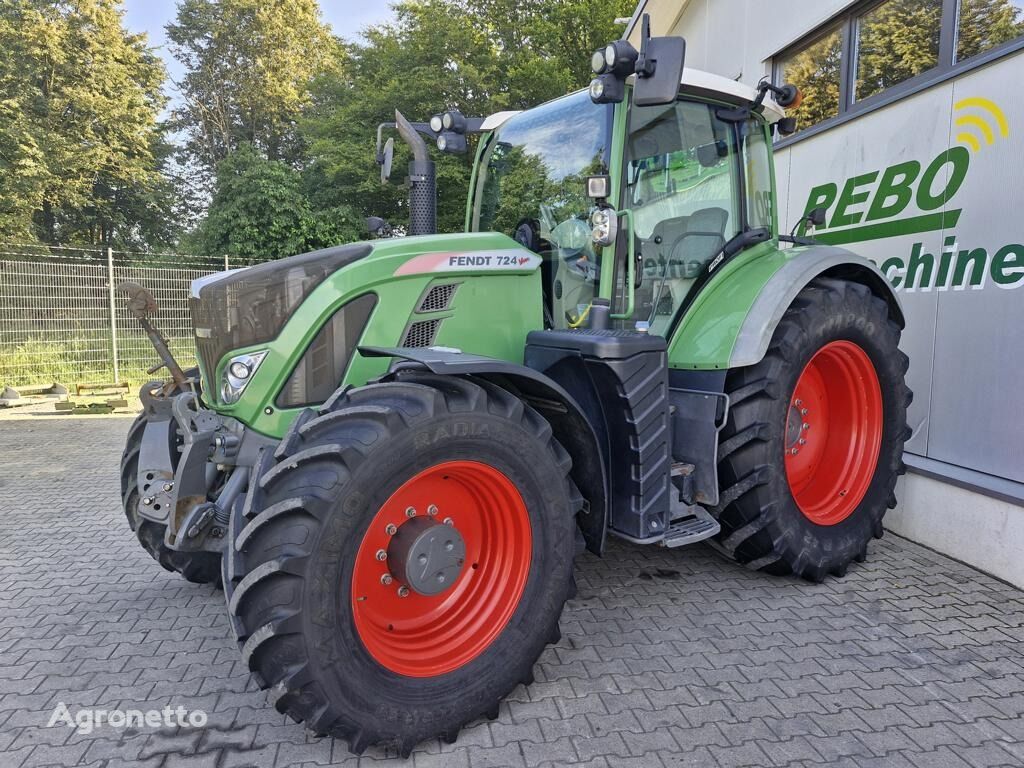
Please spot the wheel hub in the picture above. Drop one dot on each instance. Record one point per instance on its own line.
(426, 617)
(426, 556)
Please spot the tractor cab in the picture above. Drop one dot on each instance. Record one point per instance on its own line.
(683, 181)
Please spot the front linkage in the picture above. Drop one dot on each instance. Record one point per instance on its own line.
(184, 466)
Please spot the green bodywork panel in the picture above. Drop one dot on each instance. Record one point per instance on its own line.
(491, 312)
(707, 333)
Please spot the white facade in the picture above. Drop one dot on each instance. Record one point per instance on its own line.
(925, 178)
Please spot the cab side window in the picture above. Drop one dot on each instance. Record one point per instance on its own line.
(681, 186)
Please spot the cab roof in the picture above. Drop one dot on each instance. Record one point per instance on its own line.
(698, 83)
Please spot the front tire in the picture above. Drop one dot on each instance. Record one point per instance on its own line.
(812, 448)
(197, 567)
(316, 582)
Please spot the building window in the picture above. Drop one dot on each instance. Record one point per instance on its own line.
(896, 41)
(816, 69)
(877, 47)
(984, 24)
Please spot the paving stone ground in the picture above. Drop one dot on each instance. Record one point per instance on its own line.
(667, 658)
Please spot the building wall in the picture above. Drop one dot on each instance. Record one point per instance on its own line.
(964, 338)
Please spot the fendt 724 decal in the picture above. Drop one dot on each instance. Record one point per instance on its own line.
(503, 260)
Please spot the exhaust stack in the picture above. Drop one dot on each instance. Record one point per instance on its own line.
(422, 181)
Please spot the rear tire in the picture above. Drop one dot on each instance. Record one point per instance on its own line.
(197, 567)
(307, 595)
(804, 486)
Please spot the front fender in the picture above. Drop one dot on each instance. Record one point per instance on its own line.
(568, 420)
(731, 324)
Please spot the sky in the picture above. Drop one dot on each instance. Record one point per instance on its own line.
(346, 17)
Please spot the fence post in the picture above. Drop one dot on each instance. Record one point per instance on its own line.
(113, 315)
(226, 267)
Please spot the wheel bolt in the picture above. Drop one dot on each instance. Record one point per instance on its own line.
(448, 521)
(390, 529)
(386, 579)
(382, 555)
(410, 511)
(794, 451)
(148, 500)
(803, 411)
(806, 425)
(802, 441)
(798, 403)
(403, 591)
(168, 486)
(432, 509)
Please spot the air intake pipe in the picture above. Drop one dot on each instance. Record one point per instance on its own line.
(422, 181)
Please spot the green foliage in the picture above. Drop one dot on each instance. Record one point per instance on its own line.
(79, 141)
(480, 56)
(816, 70)
(259, 211)
(248, 67)
(985, 24)
(896, 41)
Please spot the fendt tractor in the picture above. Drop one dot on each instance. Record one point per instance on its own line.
(392, 451)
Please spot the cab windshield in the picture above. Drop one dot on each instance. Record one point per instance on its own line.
(531, 186)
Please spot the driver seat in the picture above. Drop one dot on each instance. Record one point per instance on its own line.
(706, 230)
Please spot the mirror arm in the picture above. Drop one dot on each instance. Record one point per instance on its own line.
(380, 137)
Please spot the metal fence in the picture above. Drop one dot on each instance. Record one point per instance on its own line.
(61, 319)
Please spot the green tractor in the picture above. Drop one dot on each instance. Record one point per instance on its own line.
(392, 451)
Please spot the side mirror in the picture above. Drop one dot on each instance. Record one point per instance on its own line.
(816, 217)
(387, 158)
(787, 126)
(659, 70)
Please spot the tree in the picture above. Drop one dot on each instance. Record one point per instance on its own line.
(480, 56)
(985, 24)
(248, 66)
(896, 41)
(79, 99)
(816, 70)
(259, 211)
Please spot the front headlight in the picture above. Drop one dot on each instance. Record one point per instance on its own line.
(237, 373)
(604, 226)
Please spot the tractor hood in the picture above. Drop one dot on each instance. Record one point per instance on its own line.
(275, 310)
(242, 307)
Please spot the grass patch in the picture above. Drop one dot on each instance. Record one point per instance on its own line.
(83, 359)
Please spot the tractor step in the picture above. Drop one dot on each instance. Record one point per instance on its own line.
(696, 526)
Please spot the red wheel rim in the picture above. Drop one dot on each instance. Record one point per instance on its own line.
(833, 432)
(424, 636)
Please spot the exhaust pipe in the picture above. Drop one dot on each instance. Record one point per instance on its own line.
(422, 181)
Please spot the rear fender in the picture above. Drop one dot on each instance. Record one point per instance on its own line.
(732, 328)
(567, 418)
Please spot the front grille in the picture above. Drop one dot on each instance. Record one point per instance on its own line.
(421, 333)
(437, 298)
(208, 353)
